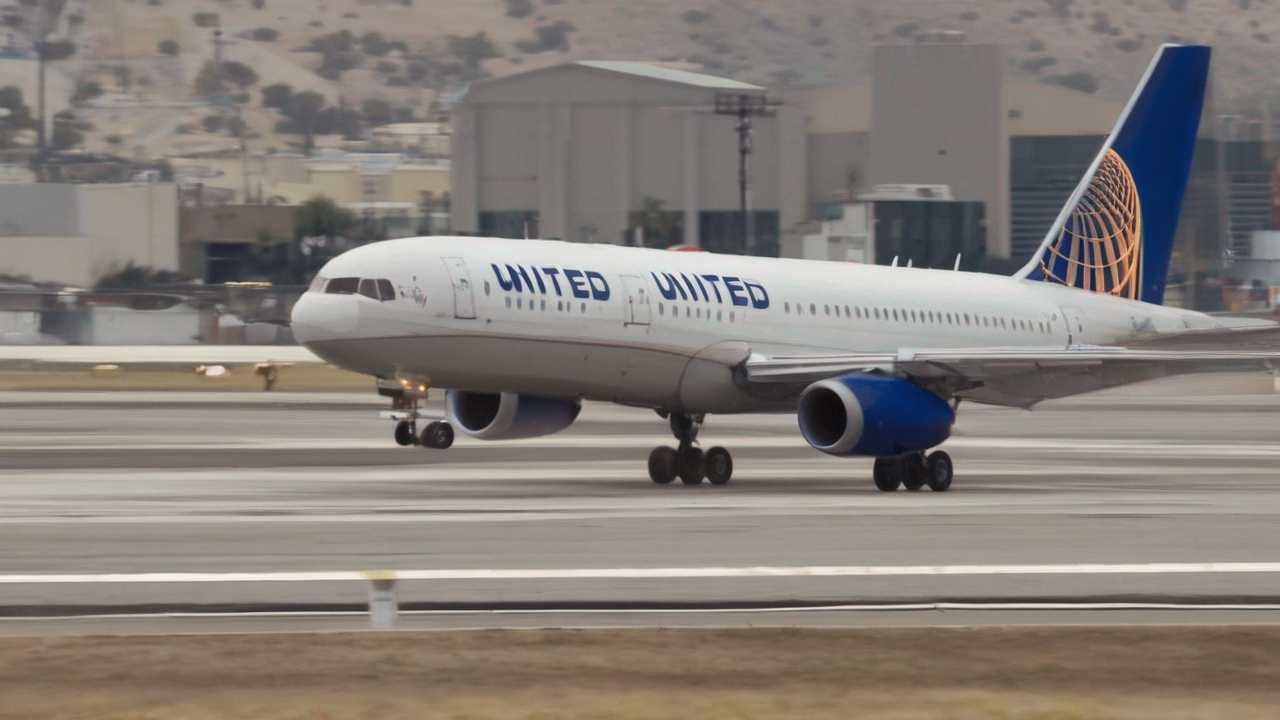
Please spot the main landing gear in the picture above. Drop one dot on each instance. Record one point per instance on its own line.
(687, 462)
(913, 471)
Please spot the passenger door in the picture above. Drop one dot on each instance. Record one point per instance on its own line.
(638, 306)
(464, 306)
(1075, 325)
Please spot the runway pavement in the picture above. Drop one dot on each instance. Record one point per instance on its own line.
(254, 483)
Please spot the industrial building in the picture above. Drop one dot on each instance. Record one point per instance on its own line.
(576, 150)
(75, 234)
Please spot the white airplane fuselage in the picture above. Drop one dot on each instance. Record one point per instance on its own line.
(666, 329)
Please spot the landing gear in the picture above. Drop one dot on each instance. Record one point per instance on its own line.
(405, 436)
(404, 396)
(437, 435)
(687, 462)
(913, 471)
(939, 471)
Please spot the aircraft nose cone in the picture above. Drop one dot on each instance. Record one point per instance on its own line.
(317, 318)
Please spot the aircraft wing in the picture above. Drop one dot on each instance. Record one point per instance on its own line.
(1016, 376)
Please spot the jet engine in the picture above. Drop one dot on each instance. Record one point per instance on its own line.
(504, 416)
(872, 415)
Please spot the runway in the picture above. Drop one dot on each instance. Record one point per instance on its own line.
(258, 483)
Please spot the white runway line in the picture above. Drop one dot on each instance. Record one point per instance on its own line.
(654, 573)
(904, 607)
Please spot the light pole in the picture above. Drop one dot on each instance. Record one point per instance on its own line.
(745, 107)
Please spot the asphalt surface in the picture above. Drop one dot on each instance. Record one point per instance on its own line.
(218, 483)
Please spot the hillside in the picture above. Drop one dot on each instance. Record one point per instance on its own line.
(805, 42)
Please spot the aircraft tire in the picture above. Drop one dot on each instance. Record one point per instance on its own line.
(939, 471)
(404, 434)
(886, 475)
(719, 465)
(913, 471)
(692, 466)
(662, 465)
(437, 436)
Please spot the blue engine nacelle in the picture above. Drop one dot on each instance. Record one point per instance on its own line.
(872, 415)
(504, 416)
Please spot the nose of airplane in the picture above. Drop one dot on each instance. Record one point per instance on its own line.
(317, 317)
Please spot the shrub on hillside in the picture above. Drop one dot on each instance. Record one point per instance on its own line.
(168, 47)
(205, 19)
(519, 8)
(265, 34)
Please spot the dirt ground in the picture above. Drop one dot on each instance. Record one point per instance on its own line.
(1031, 673)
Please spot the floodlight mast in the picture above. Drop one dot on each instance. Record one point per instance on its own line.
(744, 107)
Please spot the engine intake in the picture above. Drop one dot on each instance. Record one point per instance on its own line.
(872, 415)
(504, 416)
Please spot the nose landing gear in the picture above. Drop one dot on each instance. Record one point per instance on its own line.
(687, 462)
(437, 435)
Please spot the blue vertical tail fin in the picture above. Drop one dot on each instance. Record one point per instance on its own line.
(1115, 235)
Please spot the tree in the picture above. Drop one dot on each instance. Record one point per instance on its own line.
(472, 49)
(320, 216)
(59, 50)
(19, 114)
(376, 112)
(124, 76)
(86, 90)
(135, 276)
(168, 47)
(265, 34)
(656, 221)
(304, 109)
(277, 96)
(519, 8)
(205, 19)
(207, 81)
(238, 74)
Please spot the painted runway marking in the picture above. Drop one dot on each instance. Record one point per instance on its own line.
(654, 573)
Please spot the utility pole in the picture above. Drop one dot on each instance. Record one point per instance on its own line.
(744, 107)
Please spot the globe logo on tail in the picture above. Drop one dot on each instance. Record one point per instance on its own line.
(1099, 246)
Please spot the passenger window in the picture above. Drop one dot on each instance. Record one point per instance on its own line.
(544, 305)
(813, 309)
(966, 318)
(519, 303)
(369, 288)
(508, 303)
(486, 287)
(342, 286)
(787, 306)
(846, 312)
(827, 309)
(895, 314)
(662, 309)
(719, 316)
(386, 290)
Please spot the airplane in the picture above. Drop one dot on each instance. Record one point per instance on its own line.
(874, 361)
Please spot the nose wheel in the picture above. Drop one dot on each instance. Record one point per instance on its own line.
(687, 462)
(437, 435)
(913, 471)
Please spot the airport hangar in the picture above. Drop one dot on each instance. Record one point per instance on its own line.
(573, 151)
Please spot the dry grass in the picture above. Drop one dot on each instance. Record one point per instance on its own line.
(1045, 674)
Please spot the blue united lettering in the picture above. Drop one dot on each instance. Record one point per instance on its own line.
(584, 284)
(724, 289)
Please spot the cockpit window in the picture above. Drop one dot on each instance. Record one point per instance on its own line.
(342, 286)
(386, 290)
(317, 284)
(369, 288)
